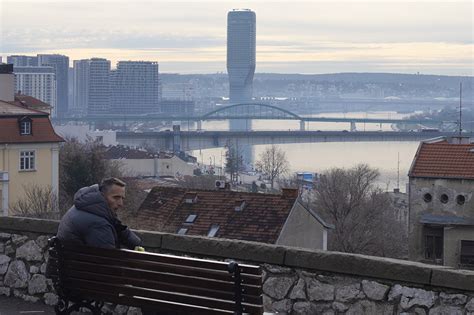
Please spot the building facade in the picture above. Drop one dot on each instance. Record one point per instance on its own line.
(135, 88)
(60, 64)
(91, 86)
(441, 203)
(29, 148)
(241, 52)
(38, 82)
(22, 61)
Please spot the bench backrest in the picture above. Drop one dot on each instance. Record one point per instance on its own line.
(157, 281)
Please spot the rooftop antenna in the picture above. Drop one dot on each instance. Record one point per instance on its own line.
(460, 109)
(398, 172)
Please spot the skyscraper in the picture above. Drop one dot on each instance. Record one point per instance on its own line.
(241, 51)
(92, 86)
(38, 82)
(60, 64)
(22, 61)
(135, 87)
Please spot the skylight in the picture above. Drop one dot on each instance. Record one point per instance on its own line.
(191, 218)
(182, 231)
(213, 230)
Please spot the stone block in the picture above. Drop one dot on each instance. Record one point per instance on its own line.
(47, 227)
(5, 236)
(134, 311)
(37, 284)
(34, 269)
(374, 290)
(17, 276)
(50, 298)
(416, 297)
(18, 239)
(298, 291)
(42, 242)
(369, 307)
(5, 291)
(150, 240)
(349, 293)
(29, 251)
(278, 287)
(4, 261)
(470, 305)
(446, 310)
(283, 306)
(319, 291)
(453, 299)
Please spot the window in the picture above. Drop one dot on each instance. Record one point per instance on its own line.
(213, 230)
(444, 198)
(191, 218)
(433, 243)
(25, 127)
(427, 197)
(467, 253)
(182, 231)
(460, 199)
(27, 160)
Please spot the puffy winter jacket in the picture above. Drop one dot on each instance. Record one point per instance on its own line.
(91, 222)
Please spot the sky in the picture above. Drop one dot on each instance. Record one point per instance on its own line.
(318, 36)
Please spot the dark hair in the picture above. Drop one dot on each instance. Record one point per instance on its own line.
(109, 182)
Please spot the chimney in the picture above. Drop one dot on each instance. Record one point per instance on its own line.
(7, 83)
(289, 193)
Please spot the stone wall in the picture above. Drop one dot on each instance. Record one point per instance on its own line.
(296, 281)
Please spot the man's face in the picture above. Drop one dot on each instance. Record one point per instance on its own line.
(115, 197)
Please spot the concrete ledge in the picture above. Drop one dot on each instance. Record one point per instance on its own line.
(453, 278)
(225, 248)
(354, 264)
(28, 225)
(259, 253)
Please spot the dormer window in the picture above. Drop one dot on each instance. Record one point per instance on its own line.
(25, 126)
(239, 205)
(191, 218)
(213, 230)
(190, 197)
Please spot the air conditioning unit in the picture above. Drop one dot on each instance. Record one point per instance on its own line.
(220, 184)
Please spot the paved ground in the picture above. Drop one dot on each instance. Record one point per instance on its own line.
(16, 306)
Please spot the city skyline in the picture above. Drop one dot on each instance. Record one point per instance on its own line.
(298, 37)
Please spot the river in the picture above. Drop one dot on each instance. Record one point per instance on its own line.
(387, 157)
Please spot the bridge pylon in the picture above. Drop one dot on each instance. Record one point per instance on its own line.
(199, 125)
(302, 125)
(353, 126)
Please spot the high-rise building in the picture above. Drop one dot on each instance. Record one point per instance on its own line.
(91, 86)
(38, 82)
(60, 64)
(241, 51)
(22, 61)
(135, 88)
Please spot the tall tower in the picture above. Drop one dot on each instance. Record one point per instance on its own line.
(241, 42)
(60, 64)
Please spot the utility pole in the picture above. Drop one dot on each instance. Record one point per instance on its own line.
(460, 109)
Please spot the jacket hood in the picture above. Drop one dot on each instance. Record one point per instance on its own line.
(91, 200)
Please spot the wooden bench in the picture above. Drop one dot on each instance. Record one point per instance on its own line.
(88, 277)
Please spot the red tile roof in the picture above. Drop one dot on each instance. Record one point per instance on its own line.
(42, 130)
(261, 218)
(442, 159)
(30, 102)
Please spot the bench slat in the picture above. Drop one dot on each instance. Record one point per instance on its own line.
(160, 267)
(121, 290)
(163, 258)
(182, 309)
(134, 278)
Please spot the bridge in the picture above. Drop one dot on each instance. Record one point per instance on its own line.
(195, 140)
(244, 111)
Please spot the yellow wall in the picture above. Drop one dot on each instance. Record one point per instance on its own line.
(42, 175)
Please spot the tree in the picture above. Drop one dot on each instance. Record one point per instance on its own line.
(360, 211)
(234, 161)
(80, 165)
(37, 202)
(273, 163)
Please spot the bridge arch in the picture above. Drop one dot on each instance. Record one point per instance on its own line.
(250, 111)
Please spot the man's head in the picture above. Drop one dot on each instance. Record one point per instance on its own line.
(113, 190)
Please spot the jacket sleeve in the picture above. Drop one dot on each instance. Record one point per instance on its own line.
(129, 239)
(100, 235)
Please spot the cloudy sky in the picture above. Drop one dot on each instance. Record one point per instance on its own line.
(318, 36)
